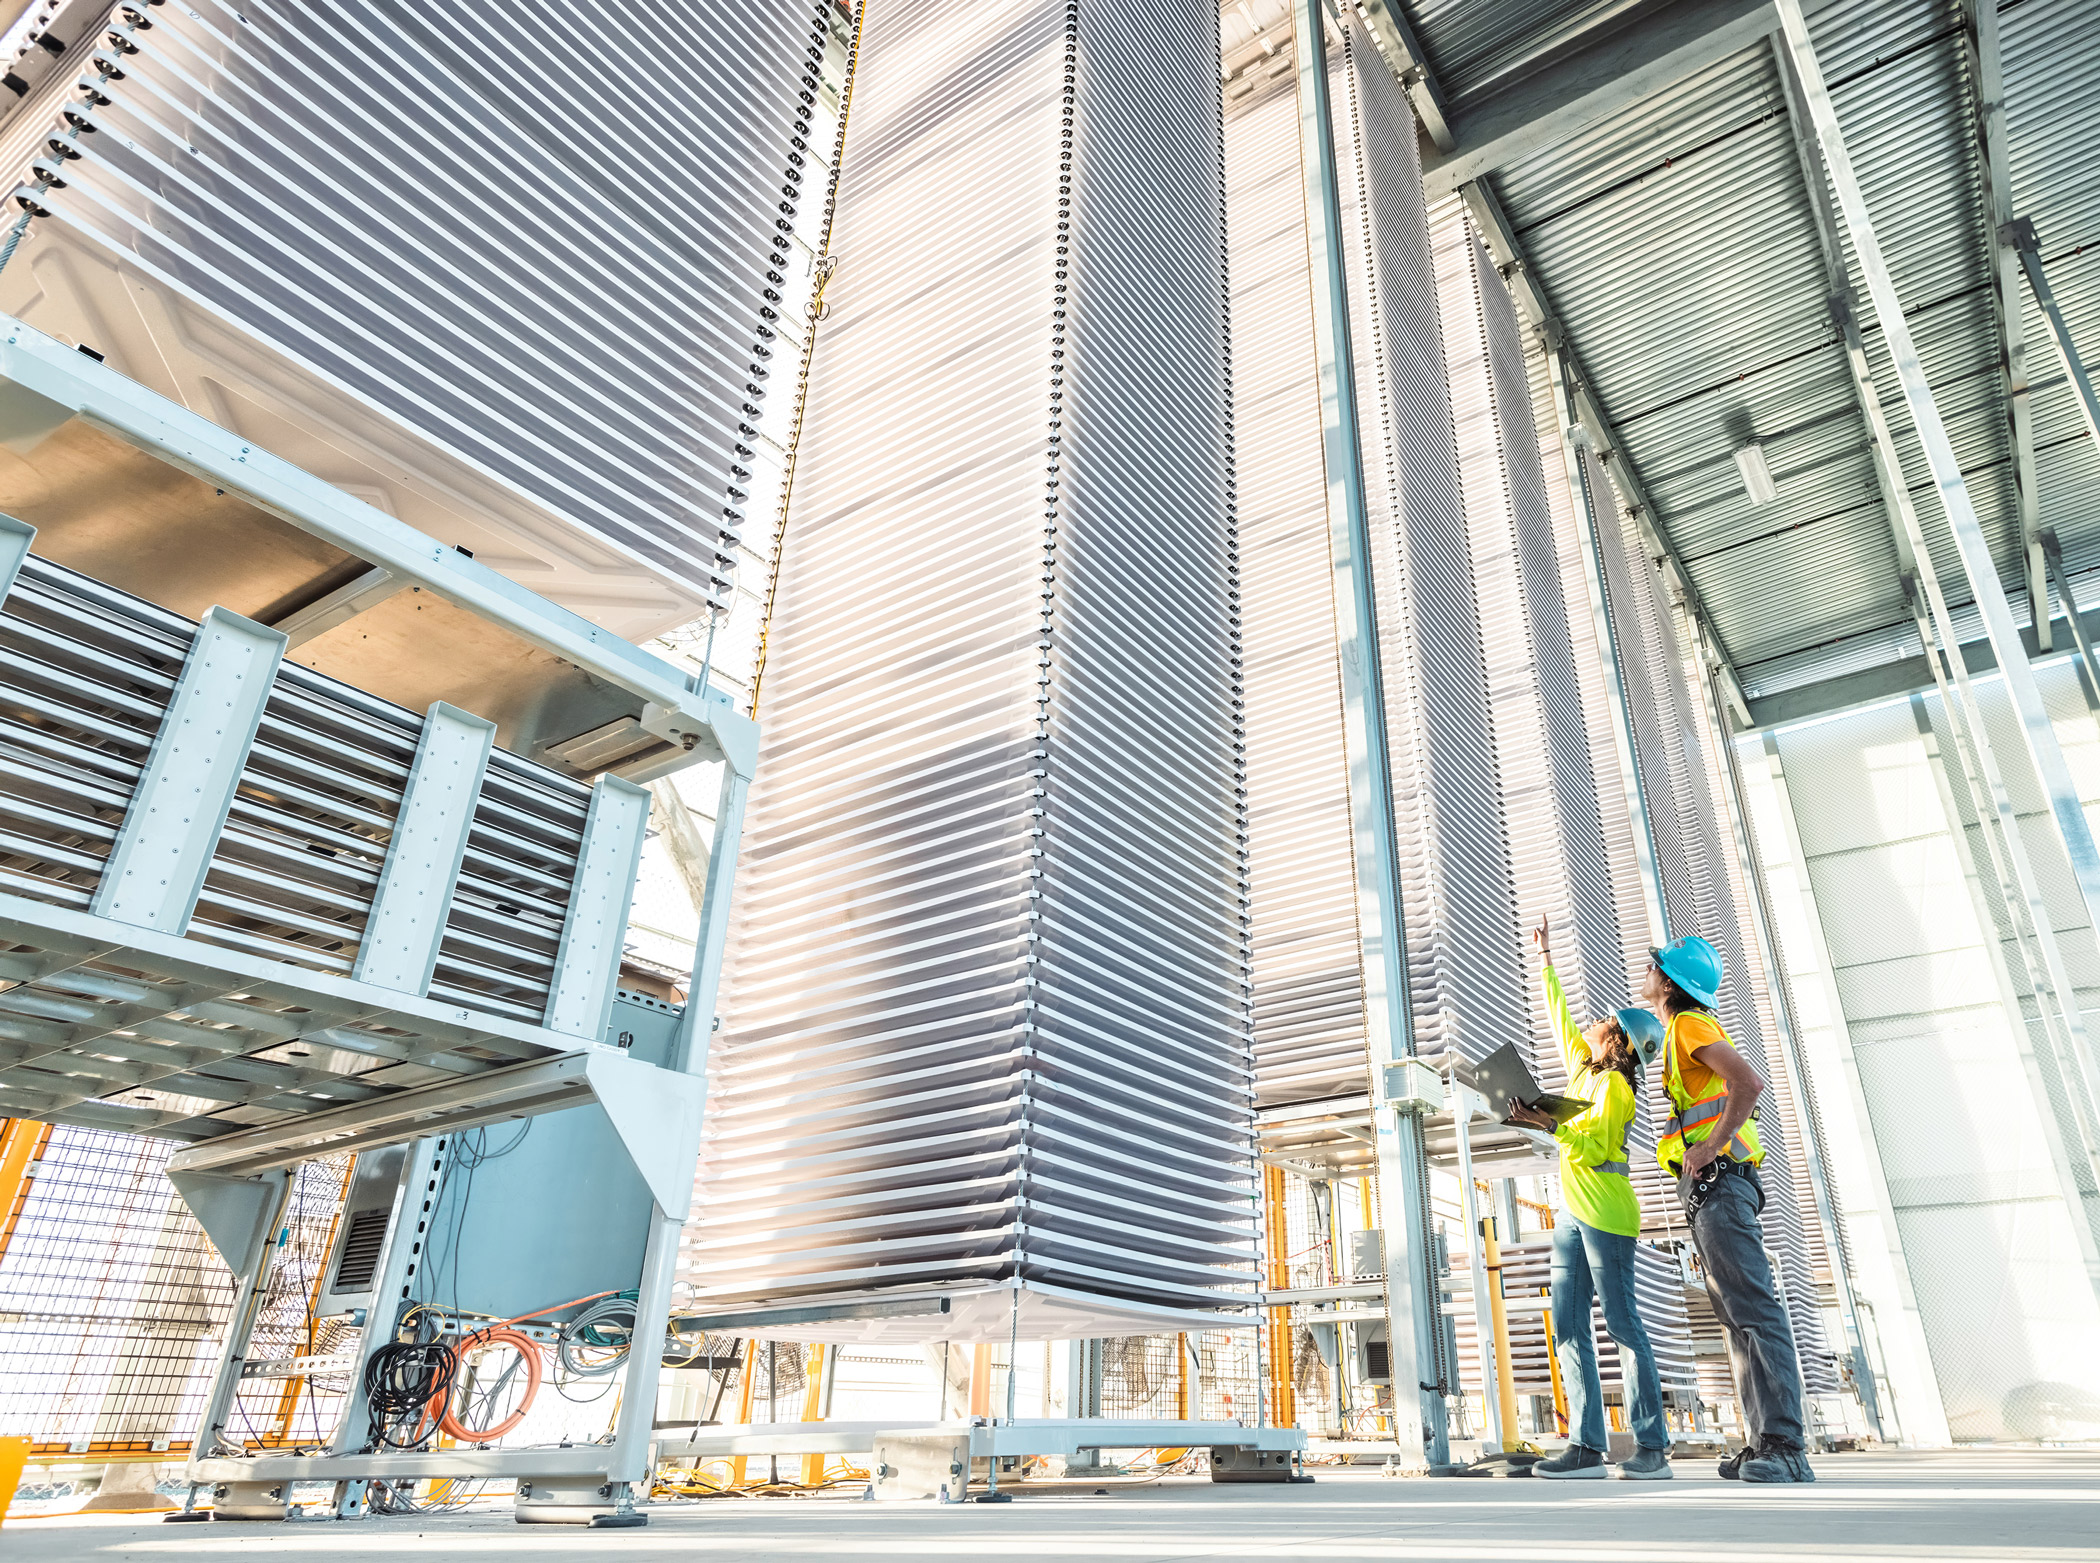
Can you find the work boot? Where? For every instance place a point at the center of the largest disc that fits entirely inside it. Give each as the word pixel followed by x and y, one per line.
pixel 1576 1463
pixel 1732 1467
pixel 1777 1460
pixel 1647 1465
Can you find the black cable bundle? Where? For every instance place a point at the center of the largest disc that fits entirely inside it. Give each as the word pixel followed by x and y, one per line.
pixel 402 1378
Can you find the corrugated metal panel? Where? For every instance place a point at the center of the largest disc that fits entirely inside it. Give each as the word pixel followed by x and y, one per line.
pixel 1677 244
pixel 567 285
pixel 989 967
pixel 1474 47
pixel 2051 51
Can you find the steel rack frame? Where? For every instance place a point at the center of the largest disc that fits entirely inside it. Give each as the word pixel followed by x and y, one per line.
pixel 274 914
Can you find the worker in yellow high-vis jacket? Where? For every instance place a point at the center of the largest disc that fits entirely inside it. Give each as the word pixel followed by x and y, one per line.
pixel 1710 1145
pixel 1593 1237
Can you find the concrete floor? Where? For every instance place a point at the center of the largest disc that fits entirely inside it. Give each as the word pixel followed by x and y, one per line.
pixel 1983 1505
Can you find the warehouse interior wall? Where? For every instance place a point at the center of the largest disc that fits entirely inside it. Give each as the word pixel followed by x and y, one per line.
pixel 1966 1185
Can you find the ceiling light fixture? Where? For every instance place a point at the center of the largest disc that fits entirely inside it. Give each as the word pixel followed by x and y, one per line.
pixel 1757 477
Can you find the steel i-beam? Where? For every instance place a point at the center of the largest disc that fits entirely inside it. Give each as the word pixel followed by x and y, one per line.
pixel 2020 233
pixel 1987 73
pixel 1412 1300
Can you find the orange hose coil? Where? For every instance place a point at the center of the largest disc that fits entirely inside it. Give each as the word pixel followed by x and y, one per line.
pixel 535 1368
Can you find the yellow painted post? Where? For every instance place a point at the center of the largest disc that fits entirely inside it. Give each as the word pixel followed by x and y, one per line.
pixel 22 1142
pixel 980 1381
pixel 1498 1314
pixel 746 1373
pixel 814 1367
pixel 14 1454
pixel 1560 1394
pixel 1283 1400
pixel 1181 1378
pixel 1367 1209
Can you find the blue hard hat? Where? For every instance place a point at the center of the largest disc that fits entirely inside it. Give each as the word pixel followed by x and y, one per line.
pixel 1694 965
pixel 1645 1033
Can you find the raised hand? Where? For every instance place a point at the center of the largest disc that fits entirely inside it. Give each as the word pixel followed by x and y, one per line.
pixel 1542 936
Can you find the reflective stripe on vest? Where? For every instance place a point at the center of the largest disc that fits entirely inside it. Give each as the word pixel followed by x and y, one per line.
pixel 1670 1144
pixel 1696 1114
pixel 1619 1167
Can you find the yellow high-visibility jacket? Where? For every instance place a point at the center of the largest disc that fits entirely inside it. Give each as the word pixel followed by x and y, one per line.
pixel 1593 1168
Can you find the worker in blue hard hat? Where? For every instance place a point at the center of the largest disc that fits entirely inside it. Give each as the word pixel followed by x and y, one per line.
pixel 1710 1145
pixel 1594 1233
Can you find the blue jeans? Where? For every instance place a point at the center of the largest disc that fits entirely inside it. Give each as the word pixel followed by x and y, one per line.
pixel 1588 1263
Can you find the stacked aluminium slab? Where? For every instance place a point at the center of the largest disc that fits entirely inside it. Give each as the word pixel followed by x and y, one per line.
pixel 1561 862
pixel 1467 980
pixel 338 222
pixel 983 1065
pixel 1702 887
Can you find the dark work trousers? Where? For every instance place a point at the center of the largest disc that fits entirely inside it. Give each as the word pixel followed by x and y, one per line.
pixel 1745 1296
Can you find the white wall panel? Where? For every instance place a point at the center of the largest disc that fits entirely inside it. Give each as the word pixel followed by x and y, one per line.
pixel 1931 1003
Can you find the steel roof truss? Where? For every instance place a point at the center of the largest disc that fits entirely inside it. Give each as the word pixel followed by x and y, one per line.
pixel 1987 83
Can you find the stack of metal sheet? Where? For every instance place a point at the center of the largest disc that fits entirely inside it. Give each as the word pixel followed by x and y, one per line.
pixel 1560 861
pixel 1308 988
pixel 984 1061
pixel 570 289
pixel 1702 887
pixel 1468 982
pixel 1465 965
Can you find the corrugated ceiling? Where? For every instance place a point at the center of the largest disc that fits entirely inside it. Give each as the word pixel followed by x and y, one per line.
pixel 1677 245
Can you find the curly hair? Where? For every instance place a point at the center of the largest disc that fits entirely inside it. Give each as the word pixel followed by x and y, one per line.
pixel 1626 1065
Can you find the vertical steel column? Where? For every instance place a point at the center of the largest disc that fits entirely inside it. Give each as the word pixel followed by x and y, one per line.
pixel 696 1023
pixel 1969 541
pixel 406 925
pixel 1634 792
pixel 587 966
pixel 1462 1100
pixel 171 829
pixel 689 1055
pixel 1410 1281
pixel 1812 1156
pixel 251 1268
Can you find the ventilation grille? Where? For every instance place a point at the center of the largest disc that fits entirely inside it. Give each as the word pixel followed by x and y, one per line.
pixel 364 1241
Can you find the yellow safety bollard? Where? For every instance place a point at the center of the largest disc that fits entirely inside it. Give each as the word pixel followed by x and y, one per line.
pixel 1505 1387
pixel 1560 1394
pixel 14 1455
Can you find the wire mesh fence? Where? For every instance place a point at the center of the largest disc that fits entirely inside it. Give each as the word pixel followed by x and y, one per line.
pixel 112 1301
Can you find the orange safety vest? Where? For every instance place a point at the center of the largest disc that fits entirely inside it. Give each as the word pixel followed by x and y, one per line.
pixel 1695 1116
